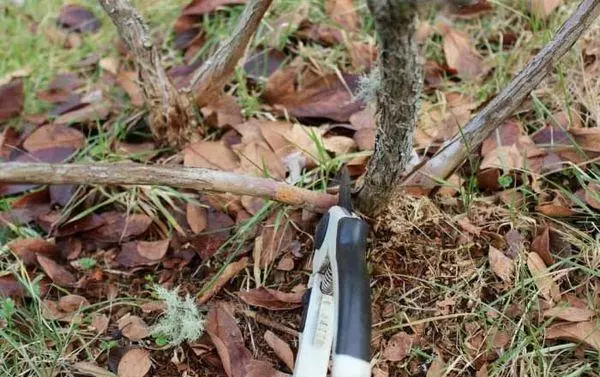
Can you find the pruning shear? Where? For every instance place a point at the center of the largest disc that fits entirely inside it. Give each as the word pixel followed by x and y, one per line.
pixel 337 304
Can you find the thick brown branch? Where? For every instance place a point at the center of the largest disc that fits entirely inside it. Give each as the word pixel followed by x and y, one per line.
pixel 172 119
pixel 397 100
pixel 456 150
pixel 137 174
pixel 208 81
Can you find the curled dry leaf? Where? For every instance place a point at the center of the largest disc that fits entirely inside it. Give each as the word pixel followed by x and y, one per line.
pixel 587 138
pixel 129 82
pixel 271 299
pixel 54 136
pixel 228 339
pixel 28 248
pixel 503 266
pixel 542 8
pixel 398 347
pixel 547 286
pixel 196 217
pixel 134 363
pixel 339 145
pixel 229 273
pixel 77 18
pixel 460 53
pixel 11 99
pixel 342 12
pixel 281 349
pixel 277 238
pixel 71 303
pixel 583 332
pixel 59 274
pixel 133 327
pixel 569 313
pixel 541 245
pixel 99 323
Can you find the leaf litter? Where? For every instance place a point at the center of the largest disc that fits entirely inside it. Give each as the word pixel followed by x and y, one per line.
pixel 305 107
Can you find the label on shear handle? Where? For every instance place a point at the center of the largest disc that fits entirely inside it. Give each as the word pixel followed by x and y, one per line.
pixel 323 332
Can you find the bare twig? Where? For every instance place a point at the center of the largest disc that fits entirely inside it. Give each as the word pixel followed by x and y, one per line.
pixel 208 80
pixel 138 174
pixel 456 150
pixel 172 118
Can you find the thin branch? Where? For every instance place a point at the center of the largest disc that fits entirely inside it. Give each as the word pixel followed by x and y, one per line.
pixel 181 177
pixel 456 150
pixel 208 80
pixel 172 118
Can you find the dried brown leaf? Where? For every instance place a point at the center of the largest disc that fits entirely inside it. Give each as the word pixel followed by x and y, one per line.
pixel 59 274
pixel 26 249
pixel 225 111
pixel 258 159
pixel 11 99
pixel 258 368
pixel 271 299
pixel 460 54
pixel 87 368
pixel 584 332
pixel 339 145
pixel 77 18
pixel 587 138
pixel 133 327
pixel 134 363
pixel 503 266
pixel 343 13
pixel 196 217
pixel 228 273
pixel 547 286
pixel 130 83
pixel 153 250
pixel 54 136
pixel 90 113
pixel 541 245
pixel 317 97
pixel 10 287
pixel 398 347
pixel 227 338
pixel 569 313
pixel 71 303
pixel 120 226
pixel 281 349
pixel 99 323
pixel 210 154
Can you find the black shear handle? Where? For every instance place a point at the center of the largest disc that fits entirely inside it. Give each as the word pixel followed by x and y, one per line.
pixel 353 336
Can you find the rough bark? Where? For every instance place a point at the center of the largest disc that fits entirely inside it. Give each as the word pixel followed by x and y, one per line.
pixel 181 177
pixel 456 150
pixel 397 100
pixel 208 80
pixel 172 118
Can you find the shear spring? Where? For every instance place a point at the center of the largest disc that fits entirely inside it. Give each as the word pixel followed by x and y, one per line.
pixel 327 282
